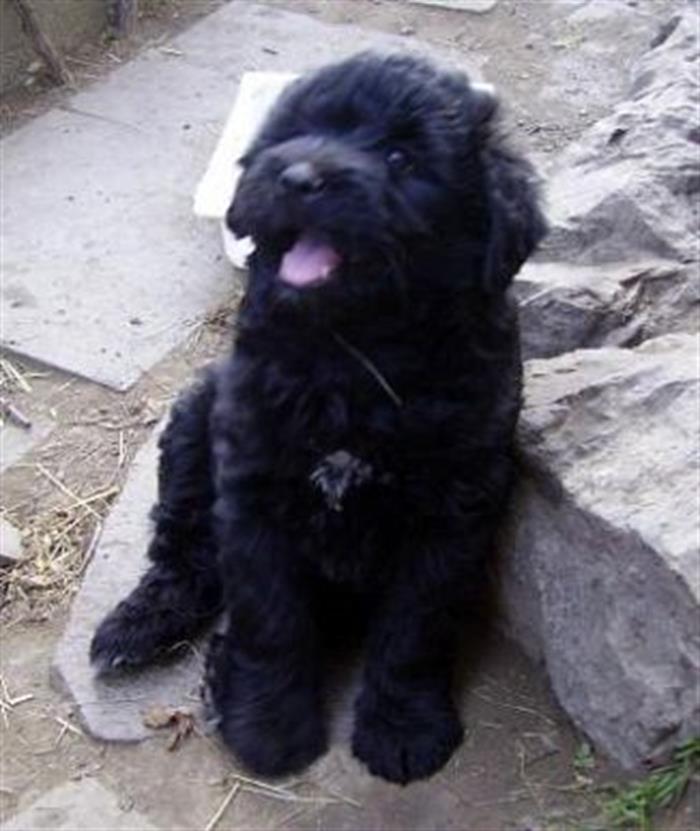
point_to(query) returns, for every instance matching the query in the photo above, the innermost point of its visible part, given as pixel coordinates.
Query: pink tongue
(308, 261)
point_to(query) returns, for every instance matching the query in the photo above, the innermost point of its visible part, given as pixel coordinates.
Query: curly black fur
(357, 444)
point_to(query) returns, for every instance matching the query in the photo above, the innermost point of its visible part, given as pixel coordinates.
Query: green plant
(634, 806)
(584, 760)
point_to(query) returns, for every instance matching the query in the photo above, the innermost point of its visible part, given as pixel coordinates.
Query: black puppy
(358, 442)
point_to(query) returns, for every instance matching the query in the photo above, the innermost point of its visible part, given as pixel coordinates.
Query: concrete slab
(78, 806)
(113, 709)
(10, 543)
(105, 267)
(475, 6)
(257, 94)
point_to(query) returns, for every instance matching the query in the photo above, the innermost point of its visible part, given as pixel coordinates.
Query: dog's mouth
(308, 261)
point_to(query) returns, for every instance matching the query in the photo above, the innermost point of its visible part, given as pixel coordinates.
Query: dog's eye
(398, 160)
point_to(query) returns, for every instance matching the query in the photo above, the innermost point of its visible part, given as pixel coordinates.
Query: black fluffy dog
(354, 453)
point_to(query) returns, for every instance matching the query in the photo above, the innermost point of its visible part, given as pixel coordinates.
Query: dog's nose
(302, 177)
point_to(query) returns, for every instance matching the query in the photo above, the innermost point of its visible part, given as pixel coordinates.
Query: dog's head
(378, 165)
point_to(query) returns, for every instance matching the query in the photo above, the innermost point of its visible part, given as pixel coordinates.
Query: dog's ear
(515, 222)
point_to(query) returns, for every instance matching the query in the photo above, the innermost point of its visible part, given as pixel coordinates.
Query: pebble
(10, 544)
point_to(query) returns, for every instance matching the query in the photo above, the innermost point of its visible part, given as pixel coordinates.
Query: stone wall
(67, 22)
(601, 567)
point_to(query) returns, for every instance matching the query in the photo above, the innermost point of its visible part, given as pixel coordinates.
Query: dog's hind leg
(180, 591)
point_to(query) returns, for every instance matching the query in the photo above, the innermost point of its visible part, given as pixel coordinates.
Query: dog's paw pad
(413, 749)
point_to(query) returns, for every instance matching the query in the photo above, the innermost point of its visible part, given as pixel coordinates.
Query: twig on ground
(61, 733)
(290, 796)
(529, 784)
(266, 786)
(517, 707)
(9, 411)
(9, 702)
(66, 727)
(513, 797)
(80, 502)
(122, 450)
(13, 373)
(59, 544)
(276, 791)
(490, 681)
(20, 699)
(90, 550)
(120, 426)
(221, 810)
(12, 701)
(99, 496)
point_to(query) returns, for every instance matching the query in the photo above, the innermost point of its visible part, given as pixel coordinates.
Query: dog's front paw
(123, 641)
(273, 725)
(136, 633)
(271, 746)
(404, 743)
(165, 610)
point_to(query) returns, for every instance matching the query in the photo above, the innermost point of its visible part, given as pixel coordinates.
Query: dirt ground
(529, 769)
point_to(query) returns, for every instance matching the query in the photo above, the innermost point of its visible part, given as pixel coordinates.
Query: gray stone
(565, 307)
(593, 12)
(113, 708)
(475, 6)
(10, 544)
(98, 230)
(15, 441)
(628, 188)
(601, 562)
(78, 806)
(601, 565)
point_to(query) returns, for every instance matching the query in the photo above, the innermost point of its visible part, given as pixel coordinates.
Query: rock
(620, 264)
(565, 307)
(16, 442)
(113, 708)
(602, 11)
(601, 568)
(10, 544)
(78, 806)
(629, 187)
(601, 564)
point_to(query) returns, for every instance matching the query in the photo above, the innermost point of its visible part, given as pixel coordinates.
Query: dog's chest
(335, 416)
(330, 432)
(344, 402)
